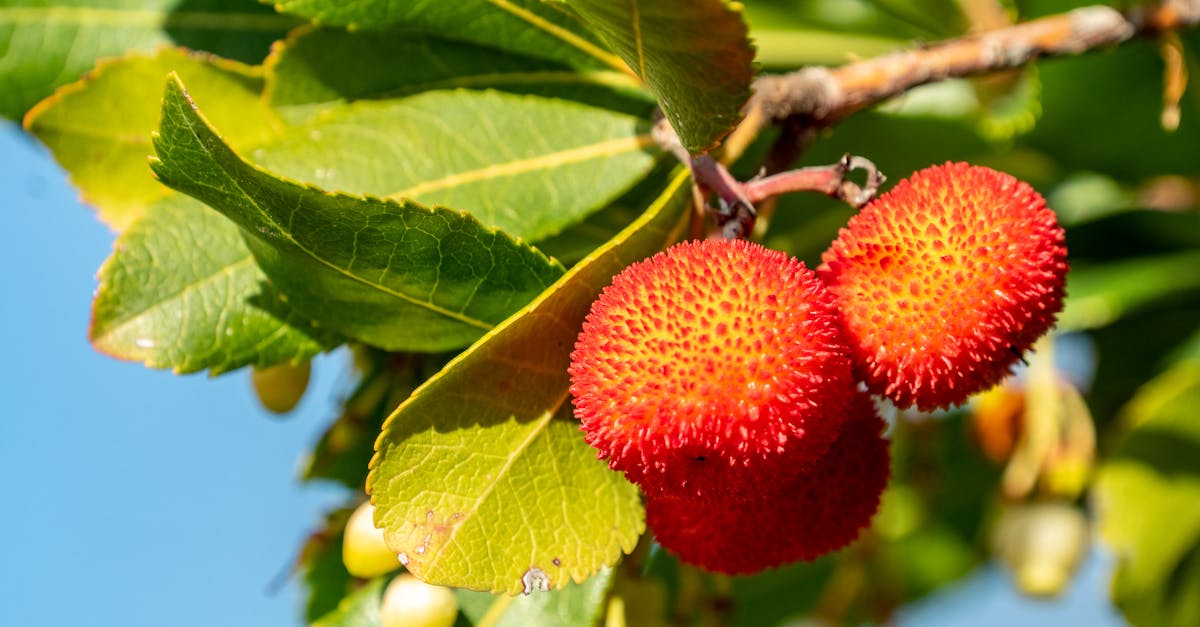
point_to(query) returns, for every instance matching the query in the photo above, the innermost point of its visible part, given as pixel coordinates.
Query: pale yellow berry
(364, 552)
(280, 387)
(410, 602)
(1042, 545)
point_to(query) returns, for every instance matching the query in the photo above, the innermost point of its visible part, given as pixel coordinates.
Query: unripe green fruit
(410, 602)
(364, 552)
(280, 387)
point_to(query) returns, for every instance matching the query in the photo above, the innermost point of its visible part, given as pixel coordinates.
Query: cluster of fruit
(733, 384)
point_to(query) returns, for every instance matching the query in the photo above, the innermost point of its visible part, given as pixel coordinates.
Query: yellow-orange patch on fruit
(945, 280)
(711, 366)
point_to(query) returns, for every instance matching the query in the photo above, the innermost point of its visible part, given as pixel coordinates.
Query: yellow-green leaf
(694, 55)
(1148, 500)
(482, 479)
(527, 165)
(316, 68)
(396, 275)
(576, 605)
(182, 291)
(529, 27)
(99, 127)
(48, 43)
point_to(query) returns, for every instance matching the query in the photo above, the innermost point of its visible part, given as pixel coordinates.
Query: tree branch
(820, 96)
(806, 101)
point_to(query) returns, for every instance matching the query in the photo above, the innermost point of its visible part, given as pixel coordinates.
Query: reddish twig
(735, 212)
(828, 179)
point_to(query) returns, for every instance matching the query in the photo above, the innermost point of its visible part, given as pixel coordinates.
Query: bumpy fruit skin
(710, 368)
(945, 280)
(818, 511)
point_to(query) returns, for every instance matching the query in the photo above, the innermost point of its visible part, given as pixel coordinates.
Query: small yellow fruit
(363, 549)
(410, 602)
(280, 387)
(1042, 545)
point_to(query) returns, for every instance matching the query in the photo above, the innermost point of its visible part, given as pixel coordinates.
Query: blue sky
(134, 497)
(140, 498)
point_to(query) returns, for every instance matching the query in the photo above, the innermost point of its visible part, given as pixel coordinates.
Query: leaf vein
(598, 150)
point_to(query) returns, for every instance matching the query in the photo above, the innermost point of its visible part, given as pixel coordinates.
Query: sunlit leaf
(48, 43)
(320, 564)
(99, 128)
(358, 609)
(576, 605)
(1009, 103)
(1099, 294)
(527, 165)
(392, 274)
(482, 479)
(693, 55)
(182, 291)
(1148, 499)
(344, 451)
(316, 68)
(528, 27)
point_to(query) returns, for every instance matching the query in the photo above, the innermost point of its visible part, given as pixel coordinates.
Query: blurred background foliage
(1098, 438)
(1089, 133)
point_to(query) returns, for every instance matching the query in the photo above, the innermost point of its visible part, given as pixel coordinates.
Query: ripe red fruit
(945, 280)
(818, 511)
(711, 367)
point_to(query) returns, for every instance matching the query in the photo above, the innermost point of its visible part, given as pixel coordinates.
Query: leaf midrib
(605, 78)
(266, 216)
(587, 152)
(222, 272)
(563, 35)
(638, 43)
(536, 430)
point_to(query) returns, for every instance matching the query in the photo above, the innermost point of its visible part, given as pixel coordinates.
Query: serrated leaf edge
(176, 88)
(681, 177)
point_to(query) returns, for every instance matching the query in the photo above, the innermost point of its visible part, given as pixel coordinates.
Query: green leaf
(481, 478)
(1136, 149)
(359, 609)
(581, 239)
(693, 54)
(99, 128)
(345, 449)
(52, 42)
(528, 27)
(392, 274)
(182, 291)
(1009, 103)
(576, 605)
(1148, 498)
(772, 596)
(787, 48)
(316, 68)
(1099, 294)
(526, 165)
(320, 563)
